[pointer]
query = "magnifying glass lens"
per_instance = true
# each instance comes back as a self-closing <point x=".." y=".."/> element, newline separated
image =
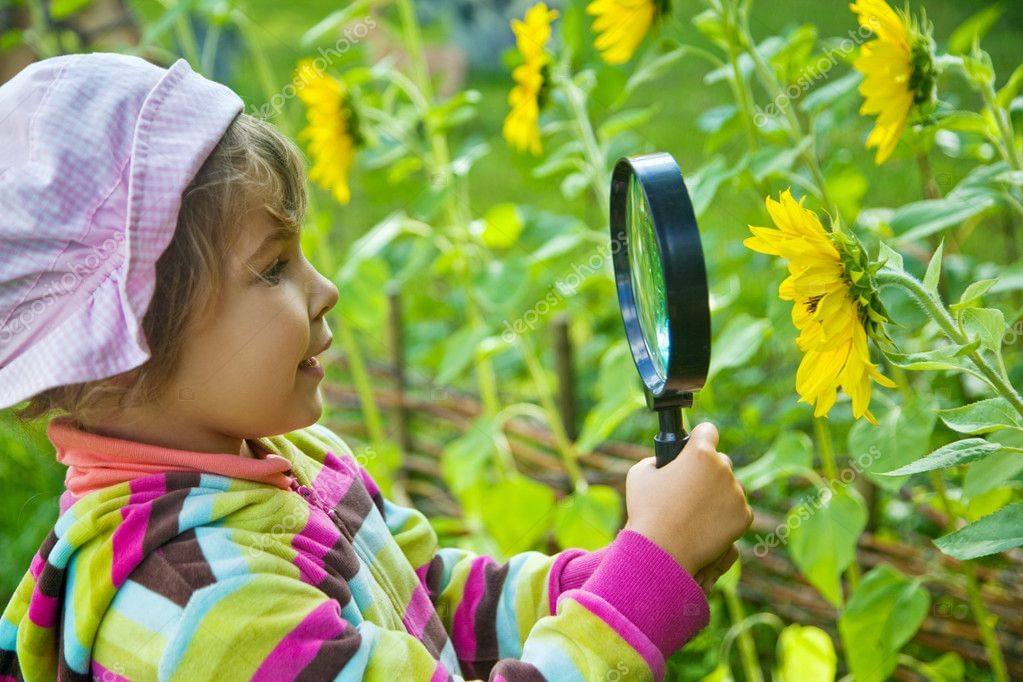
<point x="647" y="277"/>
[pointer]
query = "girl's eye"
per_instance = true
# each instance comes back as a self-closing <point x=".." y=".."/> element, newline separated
<point x="272" y="275"/>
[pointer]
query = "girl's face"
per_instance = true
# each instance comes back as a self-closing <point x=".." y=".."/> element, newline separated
<point x="239" y="375"/>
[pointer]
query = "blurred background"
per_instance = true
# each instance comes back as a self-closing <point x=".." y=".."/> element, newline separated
<point x="418" y="357"/>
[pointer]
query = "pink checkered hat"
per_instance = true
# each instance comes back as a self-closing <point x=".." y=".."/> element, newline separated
<point x="97" y="150"/>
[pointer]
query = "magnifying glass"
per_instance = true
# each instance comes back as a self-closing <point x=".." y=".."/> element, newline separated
<point x="662" y="288"/>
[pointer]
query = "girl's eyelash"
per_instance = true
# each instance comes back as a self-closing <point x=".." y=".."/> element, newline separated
<point x="272" y="275"/>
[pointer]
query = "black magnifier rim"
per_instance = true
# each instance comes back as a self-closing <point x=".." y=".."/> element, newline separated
<point x="685" y="273"/>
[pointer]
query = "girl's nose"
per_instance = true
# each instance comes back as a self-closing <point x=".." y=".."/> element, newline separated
<point x="323" y="295"/>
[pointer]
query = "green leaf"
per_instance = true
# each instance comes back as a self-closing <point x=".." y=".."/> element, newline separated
<point x="883" y="614"/>
<point x="62" y="9"/>
<point x="625" y="120"/>
<point x="561" y="159"/>
<point x="588" y="519"/>
<point x="620" y="394"/>
<point x="737" y="342"/>
<point x="558" y="246"/>
<point x="457" y="109"/>
<point x="373" y="242"/>
<point x="722" y="673"/>
<point x="997" y="469"/>
<point x="471" y="152"/>
<point x="989" y="502"/>
<point x="973" y="294"/>
<point x="10" y="39"/>
<point x="517" y="513"/>
<point x="823" y="536"/>
<point x="889" y="256"/>
<point x="944" y="358"/>
<point x="459" y="353"/>
<point x="986" y="324"/>
<point x="983" y="416"/>
<point x="791" y="453"/>
<point x="933" y="273"/>
<point x="616" y="376"/>
<point x="945" y="668"/>
<point x="465" y="461"/>
<point x="1011" y="87"/>
<point x="653" y="69"/>
<point x="704" y="183"/>
<point x="381" y="461"/>
<point x="973" y="28"/>
<point x="770" y="161"/>
<point x="994" y="533"/>
<point x="920" y="219"/>
<point x="827" y="95"/>
<point x="806" y="653"/>
<point x="504" y="286"/>
<point x="903" y="435"/>
<point x="574" y="184"/>
<point x="605" y="417"/>
<point x="953" y="454"/>
<point x="364" y="301"/>
<point x="333" y="21"/>
<point x="503" y="225"/>
<point x="964" y="122"/>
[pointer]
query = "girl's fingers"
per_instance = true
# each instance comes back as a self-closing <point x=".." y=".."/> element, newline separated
<point x="728" y="558"/>
<point x="708" y="575"/>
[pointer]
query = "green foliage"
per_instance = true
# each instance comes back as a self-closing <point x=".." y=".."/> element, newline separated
<point x="823" y="535"/>
<point x="486" y="245"/>
<point x="882" y="615"/>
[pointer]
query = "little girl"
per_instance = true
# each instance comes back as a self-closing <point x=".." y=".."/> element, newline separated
<point x="154" y="295"/>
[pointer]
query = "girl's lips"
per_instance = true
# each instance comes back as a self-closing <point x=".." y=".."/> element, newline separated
<point x="312" y="366"/>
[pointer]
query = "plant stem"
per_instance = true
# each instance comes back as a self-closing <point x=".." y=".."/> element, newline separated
<point x="566" y="448"/>
<point x="980" y="613"/>
<point x="264" y="73"/>
<point x="43" y="41"/>
<point x="747" y="648"/>
<point x="739" y="89"/>
<point x="595" y="157"/>
<point x="374" y="425"/>
<point x="209" y="49"/>
<point x="186" y="37"/>
<point x="454" y="207"/>
<point x="822" y="430"/>
<point x="1004" y="123"/>
<point x="936" y="310"/>
<point x="773" y="87"/>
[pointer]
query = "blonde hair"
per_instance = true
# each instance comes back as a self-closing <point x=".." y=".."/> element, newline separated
<point x="252" y="162"/>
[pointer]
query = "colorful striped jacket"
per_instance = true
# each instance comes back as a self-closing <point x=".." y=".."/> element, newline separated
<point x="190" y="575"/>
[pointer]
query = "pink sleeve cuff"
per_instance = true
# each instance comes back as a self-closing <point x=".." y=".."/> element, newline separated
<point x="651" y="590"/>
<point x="570" y="570"/>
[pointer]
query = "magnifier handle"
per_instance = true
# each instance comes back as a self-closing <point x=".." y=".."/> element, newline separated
<point x="668" y="444"/>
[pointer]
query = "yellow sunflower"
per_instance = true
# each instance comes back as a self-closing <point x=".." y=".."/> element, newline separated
<point x="835" y="305"/>
<point x="522" y="125"/>
<point x="332" y="130"/>
<point x="621" y="25"/>
<point x="898" y="69"/>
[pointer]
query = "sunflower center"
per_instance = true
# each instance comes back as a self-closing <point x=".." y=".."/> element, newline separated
<point x="922" y="79"/>
<point x="544" y="92"/>
<point x="352" y="122"/>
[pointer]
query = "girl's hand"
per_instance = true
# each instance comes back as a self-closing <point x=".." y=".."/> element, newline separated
<point x="708" y="575"/>
<point x="693" y="507"/>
